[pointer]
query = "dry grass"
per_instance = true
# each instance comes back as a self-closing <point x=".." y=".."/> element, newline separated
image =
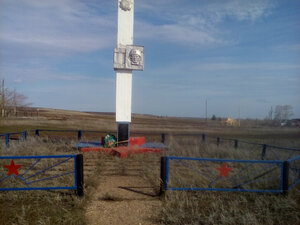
<point x="46" y="207"/>
<point x="230" y="208"/>
<point x="63" y="207"/>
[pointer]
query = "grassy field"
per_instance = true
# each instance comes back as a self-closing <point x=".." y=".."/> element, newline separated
<point x="63" y="207"/>
<point x="194" y="207"/>
<point x="222" y="207"/>
<point x="47" y="207"/>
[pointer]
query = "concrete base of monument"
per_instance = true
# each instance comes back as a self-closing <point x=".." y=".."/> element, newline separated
<point x="137" y="145"/>
<point x="122" y="152"/>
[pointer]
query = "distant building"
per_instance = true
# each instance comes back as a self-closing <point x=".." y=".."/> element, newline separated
<point x="231" y="122"/>
<point x="284" y="123"/>
<point x="290" y="123"/>
<point x="294" y="122"/>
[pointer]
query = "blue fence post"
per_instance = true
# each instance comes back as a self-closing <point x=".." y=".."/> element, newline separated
<point x="218" y="141"/>
<point x="37" y="133"/>
<point x="79" y="174"/>
<point x="285" y="177"/>
<point x="79" y="135"/>
<point x="263" y="152"/>
<point x="6" y="140"/>
<point x="163" y="138"/>
<point x="236" y="144"/>
<point x="203" y="137"/>
<point x="163" y="175"/>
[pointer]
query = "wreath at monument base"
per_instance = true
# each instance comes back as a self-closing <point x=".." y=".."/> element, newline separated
<point x="110" y="141"/>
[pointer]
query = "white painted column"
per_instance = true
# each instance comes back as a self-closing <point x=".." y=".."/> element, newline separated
<point x="123" y="96"/>
<point x="124" y="77"/>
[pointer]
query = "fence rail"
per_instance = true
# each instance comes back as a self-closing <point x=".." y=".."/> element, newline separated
<point x="285" y="173"/>
<point x="42" y="173"/>
<point x="203" y="136"/>
<point x="8" y="136"/>
<point x="204" y="174"/>
<point x="265" y="148"/>
<point x="294" y="172"/>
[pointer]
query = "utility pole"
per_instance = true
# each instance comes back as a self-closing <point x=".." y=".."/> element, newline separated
<point x="206" y="110"/>
<point x="15" y="102"/>
<point x="2" y="99"/>
<point x="239" y="115"/>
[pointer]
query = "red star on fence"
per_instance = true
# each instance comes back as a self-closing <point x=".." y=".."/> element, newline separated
<point x="12" y="168"/>
<point x="224" y="170"/>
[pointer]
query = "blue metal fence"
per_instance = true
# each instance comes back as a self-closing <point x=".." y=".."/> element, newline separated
<point x="14" y="136"/>
<point x="203" y="174"/>
<point x="236" y="142"/>
<point x="78" y="133"/>
<point x="41" y="173"/>
<point x="294" y="171"/>
<point x="280" y="175"/>
<point x="266" y="150"/>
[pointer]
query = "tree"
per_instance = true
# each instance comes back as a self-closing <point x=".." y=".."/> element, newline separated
<point x="283" y="112"/>
<point x="213" y="117"/>
<point x="10" y="100"/>
<point x="270" y="114"/>
<point x="3" y="98"/>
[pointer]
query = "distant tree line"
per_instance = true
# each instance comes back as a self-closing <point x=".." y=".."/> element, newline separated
<point x="10" y="100"/>
<point x="281" y="113"/>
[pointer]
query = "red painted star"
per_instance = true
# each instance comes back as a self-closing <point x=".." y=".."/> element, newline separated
<point x="12" y="168"/>
<point x="224" y="170"/>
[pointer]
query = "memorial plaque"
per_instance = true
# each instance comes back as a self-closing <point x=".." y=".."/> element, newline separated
<point x="129" y="58"/>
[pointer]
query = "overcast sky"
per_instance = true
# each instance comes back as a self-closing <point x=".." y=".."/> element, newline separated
<point x="236" y="54"/>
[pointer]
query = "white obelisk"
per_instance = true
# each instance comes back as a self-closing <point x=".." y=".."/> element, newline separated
<point x="124" y="77"/>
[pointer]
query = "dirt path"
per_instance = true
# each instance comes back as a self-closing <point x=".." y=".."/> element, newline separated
<point x="122" y="197"/>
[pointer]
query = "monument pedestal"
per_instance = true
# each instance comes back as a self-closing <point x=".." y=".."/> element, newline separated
<point x="123" y="134"/>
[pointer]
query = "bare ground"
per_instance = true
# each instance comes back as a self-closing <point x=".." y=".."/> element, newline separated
<point x="123" y="197"/>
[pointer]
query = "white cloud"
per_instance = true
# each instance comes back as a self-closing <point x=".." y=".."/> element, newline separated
<point x="288" y="47"/>
<point x="63" y="43"/>
<point x="198" y="68"/>
<point x="39" y="73"/>
<point x="244" y="66"/>
<point x="197" y="23"/>
<point x="178" y="33"/>
<point x="18" y="80"/>
<point x="215" y="10"/>
<point x="66" y="26"/>
<point x="241" y="10"/>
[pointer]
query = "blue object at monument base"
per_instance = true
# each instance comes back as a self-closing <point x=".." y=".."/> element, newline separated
<point x="84" y="144"/>
<point x="154" y="145"/>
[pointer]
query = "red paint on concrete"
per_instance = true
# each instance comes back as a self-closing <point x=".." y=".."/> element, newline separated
<point x="139" y="141"/>
<point x="122" y="152"/>
<point x="96" y="149"/>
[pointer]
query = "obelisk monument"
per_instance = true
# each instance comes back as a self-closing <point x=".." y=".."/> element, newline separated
<point x="127" y="58"/>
